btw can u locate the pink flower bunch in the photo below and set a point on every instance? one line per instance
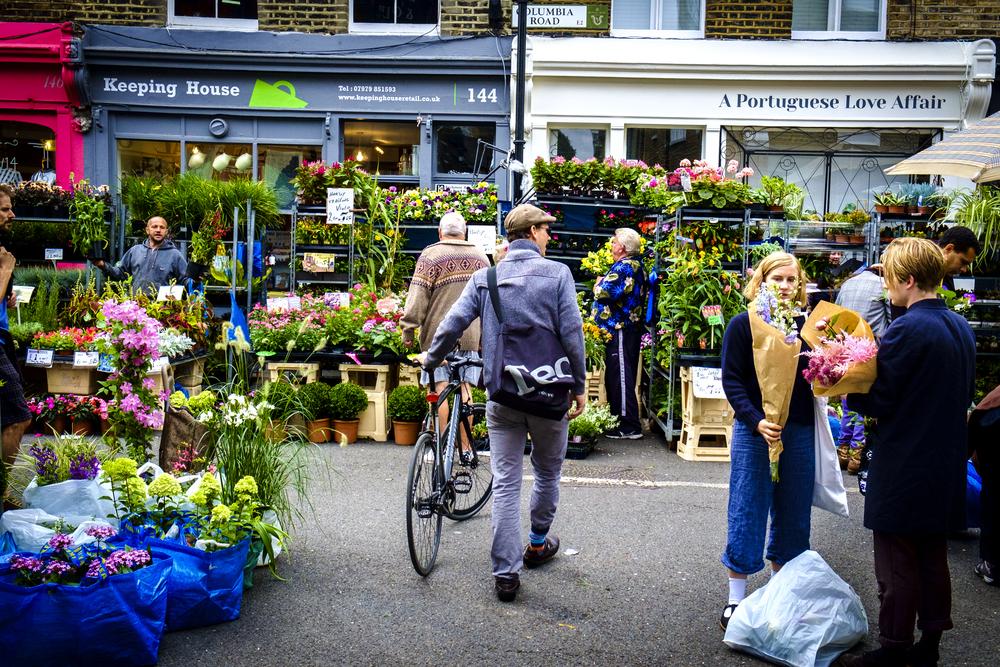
(830, 363)
(137, 406)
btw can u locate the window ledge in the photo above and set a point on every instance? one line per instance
(202, 23)
(395, 28)
(838, 34)
(669, 34)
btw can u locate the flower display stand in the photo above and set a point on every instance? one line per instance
(596, 393)
(294, 373)
(64, 378)
(190, 373)
(376, 380)
(707, 429)
(409, 376)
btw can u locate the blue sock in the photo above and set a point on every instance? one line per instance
(536, 539)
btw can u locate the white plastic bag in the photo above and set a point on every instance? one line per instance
(74, 497)
(29, 534)
(828, 491)
(806, 615)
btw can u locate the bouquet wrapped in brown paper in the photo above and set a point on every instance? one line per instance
(842, 359)
(776, 347)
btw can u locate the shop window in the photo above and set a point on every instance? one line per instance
(232, 14)
(221, 162)
(155, 159)
(413, 16)
(27, 153)
(834, 19)
(384, 147)
(578, 142)
(458, 147)
(665, 146)
(684, 17)
(276, 166)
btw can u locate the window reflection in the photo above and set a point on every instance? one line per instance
(220, 161)
(579, 142)
(384, 147)
(156, 159)
(276, 166)
(27, 153)
(457, 147)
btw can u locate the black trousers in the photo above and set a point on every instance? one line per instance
(989, 500)
(913, 580)
(621, 358)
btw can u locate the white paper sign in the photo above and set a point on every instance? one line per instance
(339, 206)
(23, 293)
(53, 253)
(483, 236)
(41, 358)
(281, 304)
(342, 299)
(961, 284)
(707, 382)
(160, 364)
(86, 359)
(170, 293)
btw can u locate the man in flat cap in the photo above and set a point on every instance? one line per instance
(539, 294)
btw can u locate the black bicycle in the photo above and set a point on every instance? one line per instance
(447, 480)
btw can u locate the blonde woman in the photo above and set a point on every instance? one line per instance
(752, 494)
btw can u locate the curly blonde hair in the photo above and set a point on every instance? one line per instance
(765, 266)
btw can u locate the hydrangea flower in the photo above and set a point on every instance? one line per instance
(246, 488)
(120, 469)
(165, 485)
(101, 532)
(221, 514)
(60, 541)
(133, 493)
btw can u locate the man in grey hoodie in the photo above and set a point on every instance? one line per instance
(539, 293)
(152, 263)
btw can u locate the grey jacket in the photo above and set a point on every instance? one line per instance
(534, 291)
(149, 267)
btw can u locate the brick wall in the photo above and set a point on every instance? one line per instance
(740, 19)
(121, 12)
(941, 19)
(319, 16)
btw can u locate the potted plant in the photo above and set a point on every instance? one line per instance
(89, 233)
(775, 192)
(86, 413)
(584, 430)
(315, 399)
(347, 402)
(282, 395)
(858, 218)
(883, 200)
(407, 406)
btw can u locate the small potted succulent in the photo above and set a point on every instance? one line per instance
(347, 402)
(315, 399)
(407, 406)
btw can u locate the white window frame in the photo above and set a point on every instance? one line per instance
(206, 23)
(656, 11)
(596, 125)
(392, 28)
(833, 18)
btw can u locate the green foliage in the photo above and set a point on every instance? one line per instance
(594, 421)
(347, 401)
(775, 191)
(979, 210)
(35, 275)
(43, 307)
(316, 399)
(282, 395)
(693, 283)
(406, 404)
(87, 211)
(759, 252)
(24, 333)
(140, 195)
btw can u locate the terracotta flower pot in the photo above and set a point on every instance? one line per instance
(857, 238)
(296, 425)
(347, 428)
(879, 208)
(57, 425)
(318, 430)
(105, 426)
(897, 210)
(842, 238)
(83, 427)
(405, 433)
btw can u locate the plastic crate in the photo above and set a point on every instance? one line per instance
(373, 378)
(707, 429)
(294, 373)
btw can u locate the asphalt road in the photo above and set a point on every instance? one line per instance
(645, 586)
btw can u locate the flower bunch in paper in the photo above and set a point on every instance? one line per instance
(842, 358)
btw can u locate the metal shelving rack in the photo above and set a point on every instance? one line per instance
(295, 248)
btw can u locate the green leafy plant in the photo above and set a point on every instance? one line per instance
(316, 400)
(595, 420)
(406, 404)
(24, 332)
(87, 211)
(347, 401)
(283, 396)
(979, 210)
(776, 191)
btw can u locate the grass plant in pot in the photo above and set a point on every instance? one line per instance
(407, 406)
(347, 402)
(316, 399)
(282, 396)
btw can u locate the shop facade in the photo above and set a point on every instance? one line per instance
(40, 101)
(784, 108)
(223, 104)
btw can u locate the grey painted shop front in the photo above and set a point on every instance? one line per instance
(225, 103)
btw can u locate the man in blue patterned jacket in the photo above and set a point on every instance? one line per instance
(618, 300)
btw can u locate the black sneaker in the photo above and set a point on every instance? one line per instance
(535, 557)
(727, 613)
(506, 586)
(985, 570)
(621, 434)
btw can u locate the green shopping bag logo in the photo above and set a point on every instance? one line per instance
(277, 95)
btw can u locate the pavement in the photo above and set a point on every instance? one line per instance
(638, 580)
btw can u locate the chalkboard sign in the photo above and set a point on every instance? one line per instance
(707, 382)
(339, 206)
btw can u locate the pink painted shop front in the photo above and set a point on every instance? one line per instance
(40, 121)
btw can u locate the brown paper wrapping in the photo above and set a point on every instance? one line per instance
(859, 378)
(776, 363)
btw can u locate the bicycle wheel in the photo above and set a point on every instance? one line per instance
(472, 480)
(423, 519)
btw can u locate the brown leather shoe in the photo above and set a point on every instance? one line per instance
(506, 586)
(535, 557)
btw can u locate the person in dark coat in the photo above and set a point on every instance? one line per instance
(984, 443)
(916, 479)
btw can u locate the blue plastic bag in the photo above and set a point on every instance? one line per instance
(7, 547)
(118, 621)
(973, 489)
(204, 588)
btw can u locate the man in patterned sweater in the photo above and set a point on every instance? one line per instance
(441, 273)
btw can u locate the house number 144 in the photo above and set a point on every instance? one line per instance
(482, 95)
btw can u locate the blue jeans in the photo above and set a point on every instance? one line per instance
(752, 496)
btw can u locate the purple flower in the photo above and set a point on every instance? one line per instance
(970, 297)
(58, 568)
(83, 466)
(101, 532)
(45, 462)
(26, 564)
(60, 541)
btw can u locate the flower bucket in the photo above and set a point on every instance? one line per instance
(348, 429)
(405, 433)
(318, 430)
(118, 621)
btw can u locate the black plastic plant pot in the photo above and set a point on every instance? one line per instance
(96, 251)
(195, 270)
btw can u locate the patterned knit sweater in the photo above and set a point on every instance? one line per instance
(441, 273)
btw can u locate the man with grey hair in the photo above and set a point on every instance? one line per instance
(442, 271)
(618, 301)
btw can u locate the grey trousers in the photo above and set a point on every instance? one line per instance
(508, 433)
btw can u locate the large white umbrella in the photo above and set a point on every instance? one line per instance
(973, 153)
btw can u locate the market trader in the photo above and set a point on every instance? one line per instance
(151, 264)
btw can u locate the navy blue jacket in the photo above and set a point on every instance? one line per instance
(739, 377)
(926, 369)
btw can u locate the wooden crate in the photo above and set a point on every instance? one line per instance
(596, 392)
(707, 428)
(371, 378)
(65, 379)
(408, 376)
(294, 373)
(190, 373)
(374, 421)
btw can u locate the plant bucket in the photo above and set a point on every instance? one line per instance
(405, 433)
(348, 429)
